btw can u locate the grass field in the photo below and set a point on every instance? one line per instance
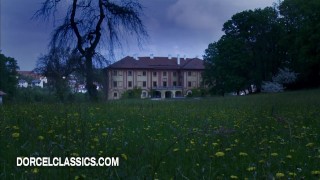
(260, 136)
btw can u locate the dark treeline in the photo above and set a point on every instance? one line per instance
(257, 43)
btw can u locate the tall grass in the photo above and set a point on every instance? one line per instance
(261, 136)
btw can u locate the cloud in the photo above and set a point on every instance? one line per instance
(209, 14)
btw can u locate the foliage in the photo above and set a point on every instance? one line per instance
(284, 78)
(198, 92)
(57, 65)
(88, 23)
(134, 93)
(212, 138)
(8, 75)
(258, 42)
(247, 53)
(301, 21)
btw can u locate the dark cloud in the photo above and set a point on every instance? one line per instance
(184, 27)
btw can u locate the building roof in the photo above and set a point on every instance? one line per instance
(29, 74)
(2, 93)
(158, 63)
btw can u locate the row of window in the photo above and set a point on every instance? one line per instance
(144, 73)
(154, 84)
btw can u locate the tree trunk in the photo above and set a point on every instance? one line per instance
(92, 89)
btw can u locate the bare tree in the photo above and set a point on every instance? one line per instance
(57, 65)
(87, 23)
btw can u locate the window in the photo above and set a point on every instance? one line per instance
(154, 83)
(154, 73)
(164, 73)
(189, 84)
(189, 73)
(120, 73)
(129, 73)
(144, 73)
(174, 83)
(164, 83)
(129, 83)
(115, 83)
(115, 73)
(115, 94)
(139, 73)
(144, 84)
(174, 74)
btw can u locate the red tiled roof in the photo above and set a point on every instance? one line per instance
(2, 93)
(158, 63)
(29, 74)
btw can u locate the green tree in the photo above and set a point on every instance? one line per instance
(248, 53)
(301, 21)
(88, 22)
(8, 74)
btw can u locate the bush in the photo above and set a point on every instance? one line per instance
(134, 93)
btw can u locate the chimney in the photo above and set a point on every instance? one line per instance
(178, 59)
(151, 56)
(135, 56)
(169, 56)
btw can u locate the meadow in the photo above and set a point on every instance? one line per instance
(262, 136)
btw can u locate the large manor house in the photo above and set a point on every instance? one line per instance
(157, 77)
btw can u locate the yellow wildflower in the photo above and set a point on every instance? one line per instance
(40, 138)
(251, 168)
(35, 170)
(243, 154)
(279, 175)
(124, 156)
(309, 144)
(317, 172)
(233, 177)
(274, 154)
(15, 135)
(219, 154)
(175, 149)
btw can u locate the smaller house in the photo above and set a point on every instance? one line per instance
(22, 83)
(1, 94)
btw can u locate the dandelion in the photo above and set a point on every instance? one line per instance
(215, 144)
(228, 149)
(124, 156)
(292, 174)
(243, 154)
(192, 141)
(317, 172)
(274, 154)
(261, 161)
(104, 134)
(96, 139)
(40, 138)
(219, 154)
(74, 154)
(233, 177)
(15, 127)
(15, 135)
(187, 150)
(175, 149)
(279, 175)
(35, 170)
(309, 144)
(251, 168)
(289, 156)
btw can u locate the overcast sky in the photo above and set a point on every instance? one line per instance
(183, 27)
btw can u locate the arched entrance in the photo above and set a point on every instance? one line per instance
(168, 94)
(156, 94)
(178, 94)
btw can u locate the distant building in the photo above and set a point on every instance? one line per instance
(37, 80)
(160, 77)
(22, 83)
